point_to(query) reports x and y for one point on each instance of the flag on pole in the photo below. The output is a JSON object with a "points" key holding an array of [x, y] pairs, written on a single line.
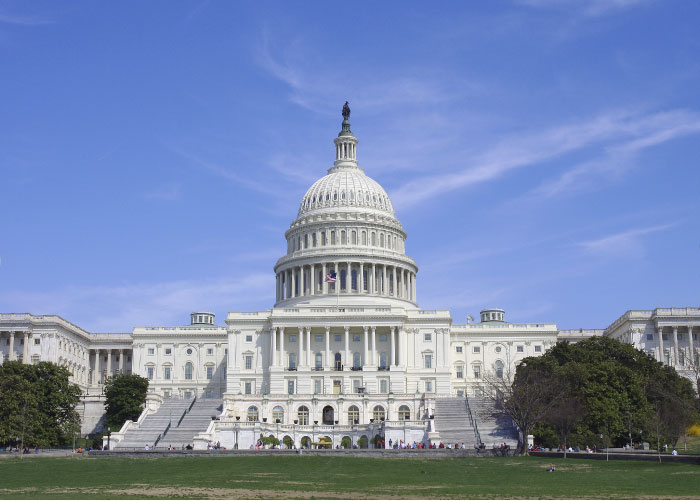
{"points": [[331, 278]]}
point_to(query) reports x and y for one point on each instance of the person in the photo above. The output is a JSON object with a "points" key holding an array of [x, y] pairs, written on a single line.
{"points": [[551, 468], [390, 442], [675, 452], [36, 448], [146, 447]]}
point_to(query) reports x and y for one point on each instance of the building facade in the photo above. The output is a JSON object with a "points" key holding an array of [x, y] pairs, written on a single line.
{"points": [[345, 346]]}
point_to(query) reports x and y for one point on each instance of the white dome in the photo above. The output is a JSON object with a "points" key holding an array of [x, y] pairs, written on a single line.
{"points": [[346, 187]]}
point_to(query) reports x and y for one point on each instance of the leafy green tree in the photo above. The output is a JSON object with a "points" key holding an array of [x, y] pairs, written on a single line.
{"points": [[125, 395], [37, 404], [346, 443]]}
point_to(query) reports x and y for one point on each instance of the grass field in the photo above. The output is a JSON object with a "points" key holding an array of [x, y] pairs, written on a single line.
{"points": [[342, 477]]}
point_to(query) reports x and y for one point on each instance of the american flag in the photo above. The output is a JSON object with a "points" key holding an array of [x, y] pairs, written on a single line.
{"points": [[330, 278]]}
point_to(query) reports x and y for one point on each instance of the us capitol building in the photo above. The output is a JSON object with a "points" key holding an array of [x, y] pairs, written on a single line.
{"points": [[344, 354]]}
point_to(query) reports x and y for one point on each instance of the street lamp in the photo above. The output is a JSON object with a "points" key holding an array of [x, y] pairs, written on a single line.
{"points": [[109, 436], [235, 429]]}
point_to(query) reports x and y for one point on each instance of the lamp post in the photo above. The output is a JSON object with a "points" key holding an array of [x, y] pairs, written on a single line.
{"points": [[235, 429], [109, 436], [277, 422]]}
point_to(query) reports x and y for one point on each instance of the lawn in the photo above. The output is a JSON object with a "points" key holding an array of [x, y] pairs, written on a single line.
{"points": [[342, 477]]}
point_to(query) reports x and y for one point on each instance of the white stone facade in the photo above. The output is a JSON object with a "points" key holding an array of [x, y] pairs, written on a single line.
{"points": [[345, 347]]}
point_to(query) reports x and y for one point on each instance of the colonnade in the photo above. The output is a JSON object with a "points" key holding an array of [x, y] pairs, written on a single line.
{"points": [[676, 355], [351, 278], [25, 340], [305, 351], [103, 369]]}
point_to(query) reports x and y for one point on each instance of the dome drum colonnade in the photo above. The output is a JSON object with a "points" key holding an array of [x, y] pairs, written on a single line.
{"points": [[346, 225]]}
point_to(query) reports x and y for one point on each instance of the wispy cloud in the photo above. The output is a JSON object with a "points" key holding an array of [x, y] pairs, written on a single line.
{"points": [[167, 192], [7, 18], [626, 243], [590, 8]]}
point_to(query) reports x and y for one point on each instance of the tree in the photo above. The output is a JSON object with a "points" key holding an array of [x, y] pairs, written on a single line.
{"points": [[565, 414], [125, 395], [37, 404]]}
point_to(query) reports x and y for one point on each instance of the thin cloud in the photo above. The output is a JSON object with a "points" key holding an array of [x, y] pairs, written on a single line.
{"points": [[627, 243], [23, 20], [167, 192], [590, 8]]}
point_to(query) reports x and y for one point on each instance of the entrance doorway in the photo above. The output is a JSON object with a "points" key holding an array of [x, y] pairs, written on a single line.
{"points": [[338, 362], [336, 386], [328, 415]]}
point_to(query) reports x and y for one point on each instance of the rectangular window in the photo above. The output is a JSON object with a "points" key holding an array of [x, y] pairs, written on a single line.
{"points": [[538, 349], [356, 338], [338, 337], [460, 393], [427, 336], [520, 348], [428, 361], [210, 372], [166, 373], [168, 351], [459, 349], [249, 338], [248, 388], [37, 341], [476, 349], [319, 339], [150, 373], [249, 362], [665, 337], [477, 372], [210, 351], [290, 387], [680, 336], [428, 386], [460, 373], [151, 351], [383, 386], [356, 385], [318, 386], [650, 337], [292, 338]]}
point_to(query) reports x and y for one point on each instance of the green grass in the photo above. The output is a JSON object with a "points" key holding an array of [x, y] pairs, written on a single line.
{"points": [[342, 477]]}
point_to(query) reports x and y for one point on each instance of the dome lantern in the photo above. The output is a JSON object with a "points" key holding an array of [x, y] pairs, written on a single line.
{"points": [[345, 145]]}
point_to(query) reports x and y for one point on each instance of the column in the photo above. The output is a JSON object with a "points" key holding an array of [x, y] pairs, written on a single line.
{"points": [[292, 293], [273, 346], [328, 346], [300, 340], [690, 341], [393, 280], [348, 278], [404, 277], [660, 330], [98, 367], [384, 290], [365, 359], [282, 360], [336, 269], [373, 280], [675, 346], [308, 346], [401, 348], [121, 361], [374, 347], [361, 279], [12, 345], [25, 348], [347, 346], [313, 280], [324, 284], [413, 282], [392, 360], [302, 281]]}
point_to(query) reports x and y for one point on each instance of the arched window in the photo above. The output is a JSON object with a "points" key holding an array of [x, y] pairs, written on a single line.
{"points": [[499, 368], [353, 415], [343, 239], [381, 240], [318, 358], [374, 239], [278, 414], [354, 280], [314, 240], [335, 195], [252, 413], [306, 241], [404, 413], [364, 238], [343, 276], [303, 415], [188, 370], [332, 237], [356, 361], [292, 360], [342, 196], [378, 413], [353, 237], [323, 238], [352, 196], [382, 360]]}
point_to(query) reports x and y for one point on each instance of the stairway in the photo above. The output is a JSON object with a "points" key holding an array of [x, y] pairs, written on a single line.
{"points": [[452, 421], [154, 424], [196, 421], [494, 426]]}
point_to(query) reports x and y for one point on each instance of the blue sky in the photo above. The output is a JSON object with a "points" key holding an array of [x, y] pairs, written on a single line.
{"points": [[542, 155]]}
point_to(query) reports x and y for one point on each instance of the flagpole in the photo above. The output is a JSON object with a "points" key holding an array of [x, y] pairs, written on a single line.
{"points": [[337, 290]]}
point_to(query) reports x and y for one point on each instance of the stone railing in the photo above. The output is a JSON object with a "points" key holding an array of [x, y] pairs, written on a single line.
{"points": [[505, 326]]}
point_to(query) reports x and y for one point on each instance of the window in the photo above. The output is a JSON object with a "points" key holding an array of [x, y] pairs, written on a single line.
{"points": [[189, 351], [650, 337], [353, 415], [476, 349], [383, 386], [318, 359], [378, 413], [665, 337], [356, 385], [356, 338], [427, 336], [404, 413], [151, 351], [248, 388], [458, 349], [428, 386], [538, 349], [499, 368], [319, 339], [318, 386], [166, 372], [210, 372], [278, 415], [356, 361], [428, 361], [498, 349], [210, 351], [382, 337], [290, 386], [477, 372], [460, 372], [37, 341], [249, 338], [679, 336], [520, 348], [292, 360], [292, 338], [168, 351], [338, 337], [252, 413], [303, 415], [249, 362], [382, 360], [188, 370], [149, 372]]}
